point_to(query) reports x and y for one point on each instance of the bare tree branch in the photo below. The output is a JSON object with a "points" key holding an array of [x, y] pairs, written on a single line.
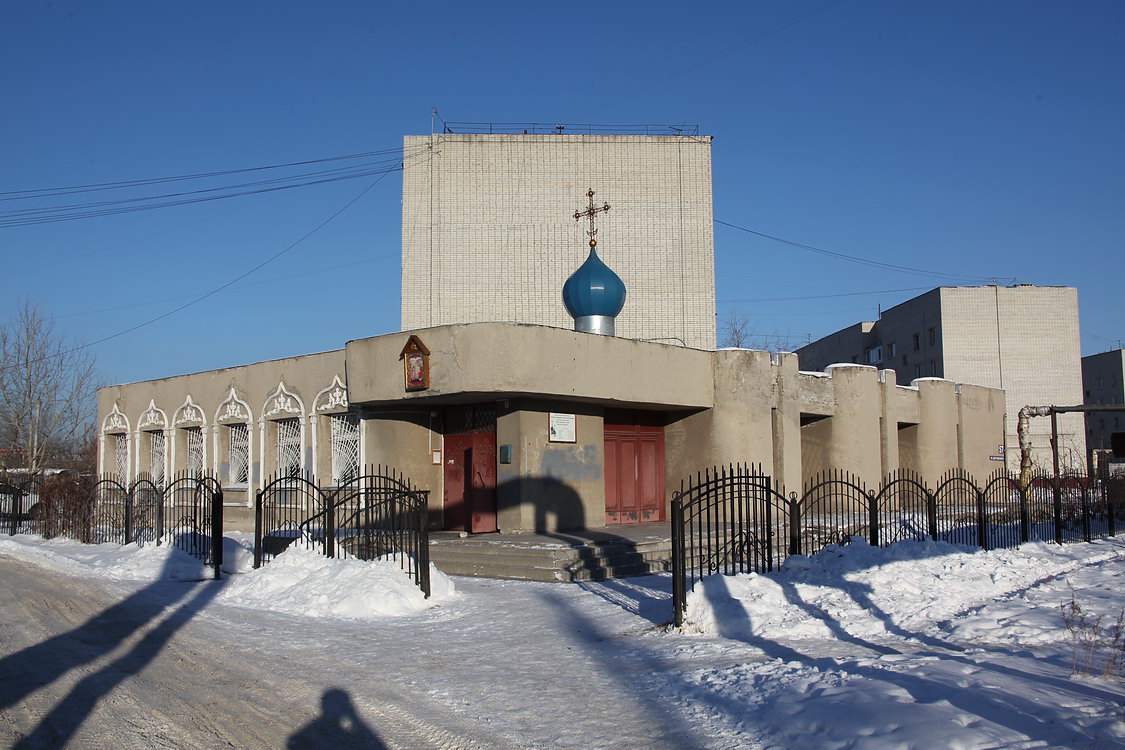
{"points": [[46, 393]]}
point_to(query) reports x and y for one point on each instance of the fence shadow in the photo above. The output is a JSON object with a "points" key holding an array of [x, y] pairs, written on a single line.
{"points": [[339, 726], [42, 664]]}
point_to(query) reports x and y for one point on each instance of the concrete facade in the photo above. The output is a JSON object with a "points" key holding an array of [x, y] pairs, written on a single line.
{"points": [[1023, 339], [488, 229], [1103, 382], [714, 407]]}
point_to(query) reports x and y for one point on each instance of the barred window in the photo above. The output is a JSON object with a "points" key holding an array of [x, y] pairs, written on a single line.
{"points": [[194, 464], [121, 457], [156, 457], [238, 464], [345, 447], [288, 447]]}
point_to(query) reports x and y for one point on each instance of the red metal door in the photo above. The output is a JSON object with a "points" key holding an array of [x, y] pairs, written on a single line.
{"points": [[470, 470], [634, 467]]}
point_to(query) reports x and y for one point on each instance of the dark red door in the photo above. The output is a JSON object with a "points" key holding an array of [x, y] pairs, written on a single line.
{"points": [[634, 467], [470, 470]]}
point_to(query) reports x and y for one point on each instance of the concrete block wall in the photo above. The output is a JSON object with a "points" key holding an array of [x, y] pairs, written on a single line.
{"points": [[488, 232]]}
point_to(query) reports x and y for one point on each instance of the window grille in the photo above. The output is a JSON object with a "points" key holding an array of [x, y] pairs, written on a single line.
{"points": [[238, 465], [121, 457], [156, 457], [289, 447], [194, 450], [345, 447]]}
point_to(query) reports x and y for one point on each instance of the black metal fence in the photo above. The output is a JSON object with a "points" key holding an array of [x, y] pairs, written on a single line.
{"points": [[378, 515], [186, 513], [736, 519]]}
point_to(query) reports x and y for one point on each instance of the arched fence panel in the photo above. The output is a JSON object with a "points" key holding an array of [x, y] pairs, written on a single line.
{"points": [[835, 506], [904, 509], [111, 512], [960, 510], [735, 518], [284, 513], [730, 519], [187, 513], [378, 515]]}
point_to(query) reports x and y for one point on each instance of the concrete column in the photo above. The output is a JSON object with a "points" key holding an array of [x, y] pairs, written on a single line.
{"points": [[855, 437], [786, 422], [888, 422], [937, 428]]}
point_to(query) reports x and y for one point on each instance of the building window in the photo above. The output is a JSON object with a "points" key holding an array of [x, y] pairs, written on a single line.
{"points": [[933, 367], [874, 355], [238, 461], [933, 336], [288, 447], [194, 457], [917, 371], [345, 447], [156, 445], [892, 350], [121, 457], [917, 343]]}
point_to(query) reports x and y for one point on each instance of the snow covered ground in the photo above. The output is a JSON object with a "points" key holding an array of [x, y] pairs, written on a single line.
{"points": [[920, 645]]}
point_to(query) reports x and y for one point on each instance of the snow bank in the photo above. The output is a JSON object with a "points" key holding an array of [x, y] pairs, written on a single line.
{"points": [[298, 581], [870, 591], [302, 581]]}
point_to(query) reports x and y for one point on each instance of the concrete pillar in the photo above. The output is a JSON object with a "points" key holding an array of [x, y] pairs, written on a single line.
{"points": [[854, 439], [937, 428]]}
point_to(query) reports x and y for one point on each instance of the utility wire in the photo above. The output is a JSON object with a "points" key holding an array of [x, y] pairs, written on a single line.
{"points": [[66, 190], [857, 259], [217, 289]]}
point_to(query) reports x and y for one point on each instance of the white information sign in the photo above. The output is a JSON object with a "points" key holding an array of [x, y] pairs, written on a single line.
{"points": [[561, 428]]}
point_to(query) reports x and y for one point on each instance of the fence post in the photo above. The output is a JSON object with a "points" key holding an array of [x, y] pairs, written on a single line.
{"points": [[873, 518], [982, 520], [424, 542], [17, 511], [931, 512], [1086, 511], [258, 529], [330, 527], [217, 531], [159, 490], [1025, 511], [1110, 518], [678, 572], [1056, 485], [129, 520], [794, 524]]}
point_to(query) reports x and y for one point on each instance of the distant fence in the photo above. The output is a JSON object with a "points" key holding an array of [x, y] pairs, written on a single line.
{"points": [[379, 515], [736, 519], [186, 513]]}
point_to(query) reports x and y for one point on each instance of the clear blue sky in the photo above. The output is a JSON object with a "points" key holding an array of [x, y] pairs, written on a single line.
{"points": [[975, 139]]}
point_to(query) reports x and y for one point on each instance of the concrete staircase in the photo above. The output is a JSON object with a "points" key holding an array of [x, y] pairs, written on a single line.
{"points": [[566, 557]]}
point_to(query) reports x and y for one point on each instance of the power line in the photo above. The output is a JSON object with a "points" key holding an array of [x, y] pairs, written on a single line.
{"points": [[856, 258], [217, 289], [65, 190], [823, 296], [53, 214]]}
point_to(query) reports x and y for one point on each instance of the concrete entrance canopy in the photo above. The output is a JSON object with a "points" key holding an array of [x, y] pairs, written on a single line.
{"points": [[504, 360]]}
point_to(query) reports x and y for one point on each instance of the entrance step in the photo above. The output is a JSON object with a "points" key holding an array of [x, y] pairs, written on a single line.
{"points": [[568, 557]]}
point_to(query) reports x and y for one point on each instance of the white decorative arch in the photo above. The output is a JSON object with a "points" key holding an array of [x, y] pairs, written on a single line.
{"points": [[152, 418], [334, 398], [190, 413], [282, 403], [233, 409], [115, 421]]}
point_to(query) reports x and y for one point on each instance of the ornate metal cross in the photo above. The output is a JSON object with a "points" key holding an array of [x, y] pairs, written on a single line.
{"points": [[590, 212]]}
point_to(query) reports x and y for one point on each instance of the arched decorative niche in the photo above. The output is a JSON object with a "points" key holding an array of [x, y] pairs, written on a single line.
{"points": [[153, 418], [233, 409], [332, 399]]}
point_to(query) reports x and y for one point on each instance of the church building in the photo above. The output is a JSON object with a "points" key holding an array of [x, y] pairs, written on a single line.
{"points": [[584, 401]]}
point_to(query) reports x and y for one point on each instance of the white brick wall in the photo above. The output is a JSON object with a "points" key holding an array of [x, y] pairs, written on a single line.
{"points": [[488, 232]]}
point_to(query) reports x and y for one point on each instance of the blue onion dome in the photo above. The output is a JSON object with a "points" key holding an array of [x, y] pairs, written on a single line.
{"points": [[594, 289]]}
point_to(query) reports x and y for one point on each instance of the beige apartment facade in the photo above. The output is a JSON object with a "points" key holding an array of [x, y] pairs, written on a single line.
{"points": [[1023, 339], [489, 234], [517, 427]]}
